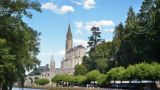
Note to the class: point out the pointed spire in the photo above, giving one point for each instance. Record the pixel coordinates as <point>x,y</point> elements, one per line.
<point>69,33</point>
<point>52,57</point>
<point>69,39</point>
<point>52,63</point>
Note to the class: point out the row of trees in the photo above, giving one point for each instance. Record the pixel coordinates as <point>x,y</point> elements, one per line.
<point>134,42</point>
<point>19,43</point>
<point>137,72</point>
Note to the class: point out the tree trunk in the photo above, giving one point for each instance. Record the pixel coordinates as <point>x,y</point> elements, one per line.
<point>5,86</point>
<point>10,86</point>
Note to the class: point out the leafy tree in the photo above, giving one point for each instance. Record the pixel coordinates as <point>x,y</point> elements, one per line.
<point>92,75</point>
<point>80,70</point>
<point>101,79</point>
<point>89,61</point>
<point>116,73</point>
<point>7,68</point>
<point>95,38</point>
<point>22,40</point>
<point>42,81</point>
<point>79,80</point>
<point>103,56</point>
<point>117,44</point>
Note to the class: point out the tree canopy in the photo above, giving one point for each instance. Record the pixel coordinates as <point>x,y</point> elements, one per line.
<point>21,41</point>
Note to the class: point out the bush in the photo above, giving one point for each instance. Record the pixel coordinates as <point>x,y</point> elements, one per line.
<point>92,76</point>
<point>41,81</point>
<point>80,80</point>
<point>101,79</point>
<point>141,71</point>
<point>116,74</point>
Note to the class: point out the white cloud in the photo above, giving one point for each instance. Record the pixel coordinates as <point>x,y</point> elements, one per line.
<point>88,4</point>
<point>80,42</point>
<point>76,2</point>
<point>111,30</point>
<point>101,23</point>
<point>79,26</point>
<point>61,52</point>
<point>60,10</point>
<point>88,25</point>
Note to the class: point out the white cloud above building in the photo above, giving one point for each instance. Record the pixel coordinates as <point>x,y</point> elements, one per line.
<point>57,9</point>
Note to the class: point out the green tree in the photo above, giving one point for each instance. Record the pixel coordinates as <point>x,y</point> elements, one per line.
<point>92,75</point>
<point>118,44</point>
<point>89,61</point>
<point>116,74</point>
<point>80,70</point>
<point>80,80</point>
<point>7,68</point>
<point>103,56</point>
<point>95,38</point>
<point>101,79</point>
<point>22,40</point>
<point>42,81</point>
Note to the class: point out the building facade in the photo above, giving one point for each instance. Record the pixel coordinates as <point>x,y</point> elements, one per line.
<point>73,55</point>
<point>43,72</point>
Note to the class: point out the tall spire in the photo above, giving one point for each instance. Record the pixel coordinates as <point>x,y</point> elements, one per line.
<point>52,63</point>
<point>69,33</point>
<point>69,38</point>
<point>52,57</point>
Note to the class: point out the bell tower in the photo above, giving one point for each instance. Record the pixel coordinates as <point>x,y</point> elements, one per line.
<point>69,39</point>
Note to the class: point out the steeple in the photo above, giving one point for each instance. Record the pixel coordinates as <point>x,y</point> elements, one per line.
<point>69,38</point>
<point>52,63</point>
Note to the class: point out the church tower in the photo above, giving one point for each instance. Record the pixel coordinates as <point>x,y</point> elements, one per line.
<point>69,39</point>
<point>52,64</point>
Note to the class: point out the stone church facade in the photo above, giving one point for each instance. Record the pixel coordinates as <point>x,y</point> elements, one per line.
<point>73,55</point>
<point>47,72</point>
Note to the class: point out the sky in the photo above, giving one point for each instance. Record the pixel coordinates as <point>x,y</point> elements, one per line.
<point>81,15</point>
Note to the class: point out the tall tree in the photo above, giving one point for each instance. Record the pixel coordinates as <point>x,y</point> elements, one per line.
<point>95,38</point>
<point>103,56</point>
<point>22,40</point>
<point>89,61</point>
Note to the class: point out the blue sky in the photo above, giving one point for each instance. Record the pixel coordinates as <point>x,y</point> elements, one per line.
<point>81,14</point>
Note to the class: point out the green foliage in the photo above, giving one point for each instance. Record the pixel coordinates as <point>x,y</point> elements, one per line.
<point>102,56</point>
<point>141,71</point>
<point>80,70</point>
<point>95,38</point>
<point>41,81</point>
<point>89,61</point>
<point>116,73</point>
<point>7,67</point>
<point>79,79</point>
<point>101,79</point>
<point>92,76</point>
<point>21,41</point>
<point>138,40</point>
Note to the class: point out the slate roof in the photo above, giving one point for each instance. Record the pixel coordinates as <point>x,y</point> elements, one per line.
<point>39,71</point>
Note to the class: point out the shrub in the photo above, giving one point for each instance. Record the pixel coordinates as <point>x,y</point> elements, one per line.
<point>41,81</point>
<point>92,76</point>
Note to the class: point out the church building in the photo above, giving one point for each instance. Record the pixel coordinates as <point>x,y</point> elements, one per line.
<point>47,72</point>
<point>73,55</point>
